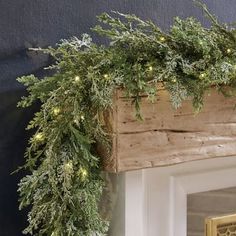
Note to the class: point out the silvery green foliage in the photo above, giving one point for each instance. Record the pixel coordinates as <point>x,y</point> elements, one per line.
<point>65,184</point>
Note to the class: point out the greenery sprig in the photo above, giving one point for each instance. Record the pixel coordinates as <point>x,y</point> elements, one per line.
<point>65,184</point>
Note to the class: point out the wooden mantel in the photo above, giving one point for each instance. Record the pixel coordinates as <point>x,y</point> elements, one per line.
<point>167,136</point>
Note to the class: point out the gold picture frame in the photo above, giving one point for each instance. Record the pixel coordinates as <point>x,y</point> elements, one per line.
<point>221,226</point>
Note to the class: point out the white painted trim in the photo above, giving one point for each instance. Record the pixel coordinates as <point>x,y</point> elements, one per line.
<point>134,203</point>
<point>178,209</point>
<point>156,199</point>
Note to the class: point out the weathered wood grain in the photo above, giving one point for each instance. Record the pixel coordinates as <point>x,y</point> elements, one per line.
<point>167,136</point>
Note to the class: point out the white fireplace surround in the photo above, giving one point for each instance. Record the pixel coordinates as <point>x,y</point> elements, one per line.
<point>156,199</point>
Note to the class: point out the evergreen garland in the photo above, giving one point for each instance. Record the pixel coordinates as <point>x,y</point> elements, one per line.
<point>65,184</point>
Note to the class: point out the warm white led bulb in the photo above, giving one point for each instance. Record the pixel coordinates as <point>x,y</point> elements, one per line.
<point>77,78</point>
<point>162,39</point>
<point>150,68</point>
<point>39,137</point>
<point>106,76</point>
<point>229,50</point>
<point>202,75</point>
<point>56,111</point>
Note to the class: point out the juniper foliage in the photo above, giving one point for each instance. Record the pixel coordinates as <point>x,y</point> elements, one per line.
<point>65,184</point>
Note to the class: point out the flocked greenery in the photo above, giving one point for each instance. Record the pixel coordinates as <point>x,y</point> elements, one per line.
<point>65,183</point>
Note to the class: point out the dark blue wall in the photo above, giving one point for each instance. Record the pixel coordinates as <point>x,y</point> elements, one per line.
<point>31,23</point>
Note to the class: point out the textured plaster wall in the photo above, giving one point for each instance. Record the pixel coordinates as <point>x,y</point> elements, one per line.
<point>26,23</point>
<point>31,23</point>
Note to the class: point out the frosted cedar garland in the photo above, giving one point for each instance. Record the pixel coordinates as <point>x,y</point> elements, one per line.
<point>65,184</point>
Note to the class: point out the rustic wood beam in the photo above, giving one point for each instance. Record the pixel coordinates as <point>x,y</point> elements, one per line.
<point>167,136</point>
